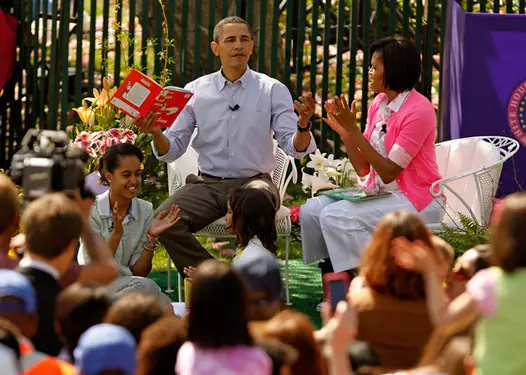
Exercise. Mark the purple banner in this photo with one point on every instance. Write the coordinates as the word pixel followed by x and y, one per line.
pixel 484 83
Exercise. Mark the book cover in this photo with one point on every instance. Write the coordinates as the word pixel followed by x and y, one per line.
pixel 139 95
pixel 353 194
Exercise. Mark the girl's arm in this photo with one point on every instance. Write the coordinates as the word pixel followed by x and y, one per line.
pixel 416 257
pixel 454 316
pixel 163 221
pixel 143 266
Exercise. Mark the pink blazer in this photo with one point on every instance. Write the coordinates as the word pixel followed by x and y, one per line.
pixel 413 128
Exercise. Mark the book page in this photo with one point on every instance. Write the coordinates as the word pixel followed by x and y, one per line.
pixel 169 104
pixel 136 94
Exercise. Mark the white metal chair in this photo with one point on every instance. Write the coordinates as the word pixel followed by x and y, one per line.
pixel 471 169
pixel 187 164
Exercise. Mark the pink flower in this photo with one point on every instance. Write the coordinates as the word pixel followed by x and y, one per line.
pixel 89 141
pixel 295 214
pixel 220 245
pixel 86 139
pixel 122 135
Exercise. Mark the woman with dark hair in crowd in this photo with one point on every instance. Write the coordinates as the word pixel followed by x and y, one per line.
pixel 218 337
pixel 391 305
pixel 126 222
pixel 396 153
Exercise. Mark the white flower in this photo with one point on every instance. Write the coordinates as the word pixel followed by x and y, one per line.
pixel 331 172
pixel 317 160
pixel 306 180
pixel 322 175
pixel 330 162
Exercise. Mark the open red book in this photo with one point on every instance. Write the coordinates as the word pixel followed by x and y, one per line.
pixel 139 95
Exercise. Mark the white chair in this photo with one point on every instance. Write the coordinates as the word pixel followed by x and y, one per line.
pixel 471 169
pixel 187 164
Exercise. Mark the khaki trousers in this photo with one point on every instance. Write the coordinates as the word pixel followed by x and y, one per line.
pixel 202 201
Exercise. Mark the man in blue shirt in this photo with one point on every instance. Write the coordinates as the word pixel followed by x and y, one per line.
pixel 232 117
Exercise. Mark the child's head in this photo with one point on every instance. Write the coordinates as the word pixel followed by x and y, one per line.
pixel 283 356
pixel 135 312
pixel 446 249
pixel 379 268
pixel 18 302
pixel 160 344
pixel 8 207
pixel 508 238
pixel 79 307
pixel 106 349
pixel 120 169
pixel 466 266
pixel 261 272
pixel 252 212
pixel 218 307
pixel 52 225
pixel 295 329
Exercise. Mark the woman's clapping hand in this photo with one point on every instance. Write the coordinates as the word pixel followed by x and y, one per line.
pixel 340 117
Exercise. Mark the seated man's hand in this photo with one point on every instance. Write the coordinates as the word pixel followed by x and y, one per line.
pixel 147 124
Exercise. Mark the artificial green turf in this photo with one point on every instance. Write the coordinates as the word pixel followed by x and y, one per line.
pixel 305 287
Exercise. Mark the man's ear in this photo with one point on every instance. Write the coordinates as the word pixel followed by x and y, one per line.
pixel 215 48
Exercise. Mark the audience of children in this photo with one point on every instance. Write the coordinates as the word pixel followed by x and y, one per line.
pixel 409 311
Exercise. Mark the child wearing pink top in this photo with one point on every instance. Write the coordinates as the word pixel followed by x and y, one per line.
pixel 218 338
pixel 396 153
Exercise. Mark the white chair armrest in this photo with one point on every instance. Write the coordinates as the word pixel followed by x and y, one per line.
pixel 292 176
pixel 444 181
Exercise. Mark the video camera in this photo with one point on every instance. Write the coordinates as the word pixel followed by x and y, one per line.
pixel 47 162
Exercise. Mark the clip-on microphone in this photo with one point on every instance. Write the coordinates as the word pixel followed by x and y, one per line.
pixel 234 108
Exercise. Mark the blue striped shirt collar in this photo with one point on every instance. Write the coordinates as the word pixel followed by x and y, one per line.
pixel 222 81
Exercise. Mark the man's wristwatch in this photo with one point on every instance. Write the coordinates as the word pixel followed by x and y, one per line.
pixel 306 129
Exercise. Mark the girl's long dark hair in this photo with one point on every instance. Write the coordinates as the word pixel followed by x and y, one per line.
pixel 254 214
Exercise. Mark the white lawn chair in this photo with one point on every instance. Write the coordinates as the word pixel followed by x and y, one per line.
pixel 187 164
pixel 471 169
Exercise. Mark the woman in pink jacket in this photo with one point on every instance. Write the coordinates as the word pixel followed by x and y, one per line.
pixel 396 153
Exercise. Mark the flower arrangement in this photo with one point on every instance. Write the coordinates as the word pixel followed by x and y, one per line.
pixel 102 125
pixel 328 173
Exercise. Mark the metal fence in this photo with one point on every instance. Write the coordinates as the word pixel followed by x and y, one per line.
pixel 66 47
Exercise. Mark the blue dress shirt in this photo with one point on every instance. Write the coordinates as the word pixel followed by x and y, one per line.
pixel 235 143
